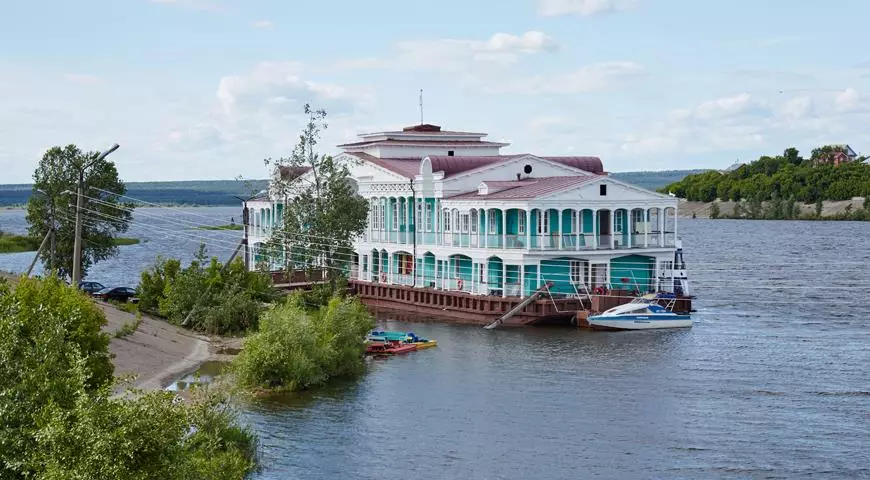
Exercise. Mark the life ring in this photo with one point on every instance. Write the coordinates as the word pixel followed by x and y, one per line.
pixel 459 284
pixel 384 277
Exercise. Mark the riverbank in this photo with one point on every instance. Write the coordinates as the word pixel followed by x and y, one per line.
pixel 689 209
pixel 157 353
pixel 12 243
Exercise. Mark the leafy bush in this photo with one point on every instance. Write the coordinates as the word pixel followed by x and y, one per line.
pixel 58 419
pixel 224 299
pixel 300 346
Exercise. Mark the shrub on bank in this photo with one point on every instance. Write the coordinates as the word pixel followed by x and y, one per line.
pixel 59 421
pixel 224 299
pixel 300 345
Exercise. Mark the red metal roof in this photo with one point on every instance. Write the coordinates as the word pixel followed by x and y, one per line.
pixel 454 165
pixel 409 167
pixel 590 164
pixel 529 188
pixel 423 143
pixel 406 167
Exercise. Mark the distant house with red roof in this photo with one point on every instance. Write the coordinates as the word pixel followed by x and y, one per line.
pixel 450 211
pixel 835 155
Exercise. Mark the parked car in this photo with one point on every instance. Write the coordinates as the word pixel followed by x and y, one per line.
pixel 117 294
pixel 91 287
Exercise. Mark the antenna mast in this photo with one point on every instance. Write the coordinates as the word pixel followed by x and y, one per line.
pixel 421 106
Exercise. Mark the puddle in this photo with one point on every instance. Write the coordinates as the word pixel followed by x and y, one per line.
pixel 205 374
pixel 228 351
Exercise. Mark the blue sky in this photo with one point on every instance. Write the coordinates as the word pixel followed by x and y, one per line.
pixel 205 89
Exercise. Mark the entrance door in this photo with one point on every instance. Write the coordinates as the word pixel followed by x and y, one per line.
pixel 599 275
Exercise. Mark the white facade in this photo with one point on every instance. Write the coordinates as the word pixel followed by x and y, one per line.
pixel 447 212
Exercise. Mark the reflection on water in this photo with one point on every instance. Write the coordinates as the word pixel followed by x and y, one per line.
pixel 772 381
pixel 205 374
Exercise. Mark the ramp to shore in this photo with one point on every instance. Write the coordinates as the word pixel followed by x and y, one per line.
pixel 157 353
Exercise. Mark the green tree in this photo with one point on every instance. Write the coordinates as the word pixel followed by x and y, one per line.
pixel 212 297
pixel 57 175
pixel 322 211
pixel 60 421
pixel 46 331
pixel 714 210
pixel 300 345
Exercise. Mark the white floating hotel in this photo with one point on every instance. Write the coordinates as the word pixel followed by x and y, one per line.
pixel 450 214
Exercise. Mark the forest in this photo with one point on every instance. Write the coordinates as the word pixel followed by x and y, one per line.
pixel 786 176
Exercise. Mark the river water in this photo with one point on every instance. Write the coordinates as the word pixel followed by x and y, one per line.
pixel 773 381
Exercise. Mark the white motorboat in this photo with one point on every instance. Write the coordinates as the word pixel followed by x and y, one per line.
pixel 642 313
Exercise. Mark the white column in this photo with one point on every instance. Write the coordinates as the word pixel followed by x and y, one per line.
pixel 539 276
pixel 558 228
pixel 484 231
pixel 579 228
pixel 595 228
pixel 528 228
pixel 646 227
pixel 503 230
pixel 503 279
pixel 612 228
pixel 675 226
pixel 661 218
pixel 630 221
pixel 522 280
pixel 437 222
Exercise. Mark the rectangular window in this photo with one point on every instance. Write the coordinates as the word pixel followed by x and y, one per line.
pixel 445 220
pixel 365 263
pixel 456 224
pixel 474 221
pixel 574 225
pixel 493 222
pixel 576 271
pixel 618 218
pixel 419 226
pixel 383 219
pixel 481 278
pixel 602 190
pixel 521 222
pixel 395 208
pixel 465 223
pixel 430 219
pixel 546 221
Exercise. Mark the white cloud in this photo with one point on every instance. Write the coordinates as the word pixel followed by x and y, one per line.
pixel 552 8
pixel 591 78
pixel 279 88
pixel 453 54
pixel 263 24
pixel 201 5
pixel 82 78
pixel 849 100
pixel 729 107
pixel 797 108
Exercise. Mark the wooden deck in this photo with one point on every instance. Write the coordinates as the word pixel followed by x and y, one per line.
pixel 461 307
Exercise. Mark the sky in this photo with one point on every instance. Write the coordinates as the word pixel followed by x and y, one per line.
pixel 208 89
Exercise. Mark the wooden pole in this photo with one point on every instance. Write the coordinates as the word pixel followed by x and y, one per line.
pixel 36 257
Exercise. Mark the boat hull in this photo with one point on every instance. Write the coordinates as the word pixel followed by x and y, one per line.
pixel 638 322
pixel 426 344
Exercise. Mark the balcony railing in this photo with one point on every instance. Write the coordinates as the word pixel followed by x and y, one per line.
pixel 548 242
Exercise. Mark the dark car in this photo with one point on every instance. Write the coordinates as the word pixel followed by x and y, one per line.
pixel 91 287
pixel 117 294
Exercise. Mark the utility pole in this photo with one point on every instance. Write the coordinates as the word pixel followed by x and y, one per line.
pixel 52 229
pixel 77 244
pixel 245 238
